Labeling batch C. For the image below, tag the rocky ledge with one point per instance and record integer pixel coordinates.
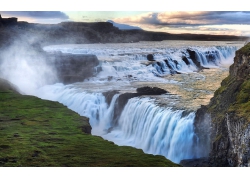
(72, 68)
(123, 98)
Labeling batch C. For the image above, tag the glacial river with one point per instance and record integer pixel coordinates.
(160, 124)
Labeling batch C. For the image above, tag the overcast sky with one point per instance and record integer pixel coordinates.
(172, 21)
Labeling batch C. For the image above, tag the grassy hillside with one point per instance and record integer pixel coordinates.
(36, 132)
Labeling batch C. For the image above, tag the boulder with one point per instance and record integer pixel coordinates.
(150, 57)
(73, 67)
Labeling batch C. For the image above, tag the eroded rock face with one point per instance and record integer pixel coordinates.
(229, 111)
(73, 67)
(123, 98)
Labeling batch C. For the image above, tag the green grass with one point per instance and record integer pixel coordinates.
(245, 49)
(43, 133)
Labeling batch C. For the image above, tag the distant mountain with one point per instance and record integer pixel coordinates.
(124, 26)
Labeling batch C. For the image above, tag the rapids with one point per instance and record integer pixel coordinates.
(160, 124)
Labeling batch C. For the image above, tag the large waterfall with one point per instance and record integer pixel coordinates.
(142, 123)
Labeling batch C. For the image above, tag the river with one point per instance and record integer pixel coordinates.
(161, 124)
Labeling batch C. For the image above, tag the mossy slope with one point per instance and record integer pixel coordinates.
(36, 132)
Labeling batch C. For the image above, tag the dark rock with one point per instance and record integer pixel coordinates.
(172, 71)
(123, 99)
(150, 57)
(8, 21)
(87, 129)
(224, 122)
(184, 58)
(200, 162)
(109, 95)
(150, 91)
(197, 63)
(73, 67)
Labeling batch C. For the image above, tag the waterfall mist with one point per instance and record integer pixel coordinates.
(23, 64)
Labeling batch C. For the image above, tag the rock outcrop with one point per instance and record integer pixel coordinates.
(73, 67)
(123, 98)
(7, 21)
(229, 113)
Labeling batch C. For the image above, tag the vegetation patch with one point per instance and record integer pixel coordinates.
(245, 49)
(242, 104)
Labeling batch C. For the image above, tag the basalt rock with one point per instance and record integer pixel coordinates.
(229, 132)
(197, 63)
(150, 91)
(73, 67)
(124, 98)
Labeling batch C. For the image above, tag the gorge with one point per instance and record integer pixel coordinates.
(154, 107)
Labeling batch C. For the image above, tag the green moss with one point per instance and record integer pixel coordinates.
(224, 84)
(245, 49)
(37, 132)
(242, 104)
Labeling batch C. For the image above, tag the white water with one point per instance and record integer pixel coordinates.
(155, 130)
(126, 61)
(143, 124)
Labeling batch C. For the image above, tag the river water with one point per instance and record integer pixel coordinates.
(162, 124)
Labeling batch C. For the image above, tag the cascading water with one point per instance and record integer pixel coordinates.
(121, 60)
(156, 130)
(142, 123)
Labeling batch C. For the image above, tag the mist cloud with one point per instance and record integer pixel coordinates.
(24, 67)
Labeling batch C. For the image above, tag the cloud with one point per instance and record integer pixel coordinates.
(189, 18)
(36, 14)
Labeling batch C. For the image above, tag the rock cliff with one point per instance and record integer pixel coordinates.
(226, 120)
(73, 67)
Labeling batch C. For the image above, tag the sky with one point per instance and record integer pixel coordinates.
(158, 15)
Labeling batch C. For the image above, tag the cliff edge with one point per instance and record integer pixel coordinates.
(224, 125)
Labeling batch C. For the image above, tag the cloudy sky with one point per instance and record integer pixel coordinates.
(163, 18)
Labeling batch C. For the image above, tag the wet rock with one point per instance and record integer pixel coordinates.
(150, 57)
(185, 60)
(109, 95)
(200, 162)
(150, 91)
(229, 132)
(193, 56)
(73, 67)
(123, 99)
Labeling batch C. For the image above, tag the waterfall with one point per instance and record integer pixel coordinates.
(156, 130)
(142, 123)
(128, 62)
